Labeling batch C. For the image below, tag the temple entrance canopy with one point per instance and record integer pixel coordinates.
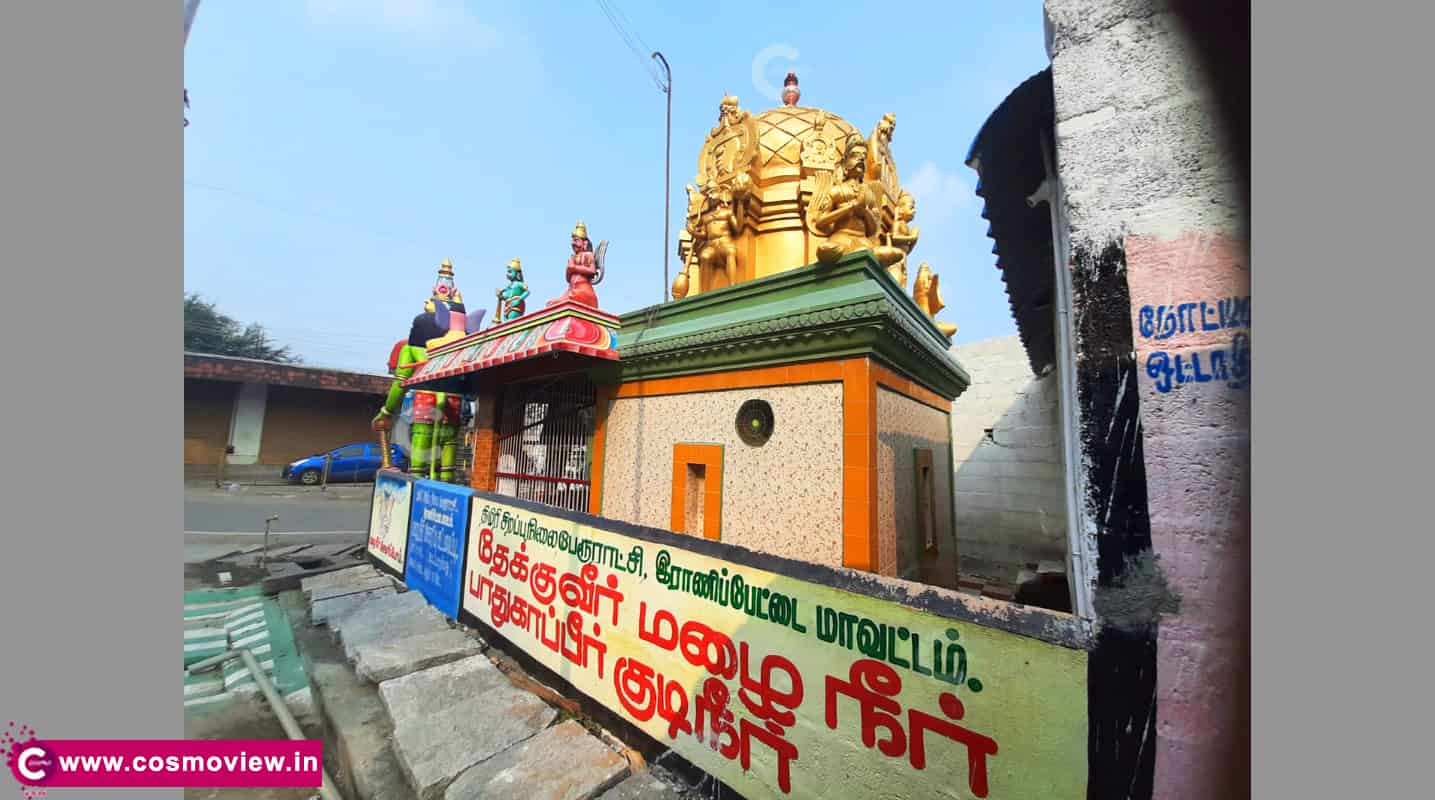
(535, 403)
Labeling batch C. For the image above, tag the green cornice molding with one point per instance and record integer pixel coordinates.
(850, 308)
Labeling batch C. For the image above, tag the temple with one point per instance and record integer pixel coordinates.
(727, 522)
(794, 397)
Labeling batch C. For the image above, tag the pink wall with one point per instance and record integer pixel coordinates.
(1144, 167)
(1195, 408)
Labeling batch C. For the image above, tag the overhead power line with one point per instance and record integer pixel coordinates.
(634, 42)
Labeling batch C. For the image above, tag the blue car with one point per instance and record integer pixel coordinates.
(348, 464)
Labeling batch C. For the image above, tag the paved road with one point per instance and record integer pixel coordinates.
(299, 510)
(218, 522)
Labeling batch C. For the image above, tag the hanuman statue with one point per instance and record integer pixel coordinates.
(718, 226)
(717, 211)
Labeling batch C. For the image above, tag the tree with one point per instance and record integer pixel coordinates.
(208, 331)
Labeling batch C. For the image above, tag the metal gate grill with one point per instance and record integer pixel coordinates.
(543, 434)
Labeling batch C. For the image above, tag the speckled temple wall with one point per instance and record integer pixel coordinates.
(903, 425)
(784, 497)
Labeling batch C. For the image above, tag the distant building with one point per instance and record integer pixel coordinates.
(271, 413)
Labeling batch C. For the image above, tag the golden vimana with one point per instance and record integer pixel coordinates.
(791, 186)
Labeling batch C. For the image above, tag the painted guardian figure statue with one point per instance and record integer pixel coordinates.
(433, 435)
(513, 298)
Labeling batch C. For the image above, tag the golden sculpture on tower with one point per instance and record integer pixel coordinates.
(880, 165)
(788, 187)
(927, 294)
(848, 212)
(902, 238)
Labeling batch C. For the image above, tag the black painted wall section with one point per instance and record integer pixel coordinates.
(1122, 668)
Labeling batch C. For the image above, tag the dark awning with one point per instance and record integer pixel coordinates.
(1007, 156)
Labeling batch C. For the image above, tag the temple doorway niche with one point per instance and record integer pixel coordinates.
(544, 432)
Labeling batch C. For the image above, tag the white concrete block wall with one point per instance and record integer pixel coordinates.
(1010, 501)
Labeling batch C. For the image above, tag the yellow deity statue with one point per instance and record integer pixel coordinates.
(901, 240)
(718, 225)
(880, 165)
(848, 214)
(927, 293)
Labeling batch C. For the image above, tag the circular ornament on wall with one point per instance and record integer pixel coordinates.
(754, 422)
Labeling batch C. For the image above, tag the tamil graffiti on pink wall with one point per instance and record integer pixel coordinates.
(1229, 363)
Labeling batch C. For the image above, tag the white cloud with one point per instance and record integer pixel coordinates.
(939, 194)
(450, 19)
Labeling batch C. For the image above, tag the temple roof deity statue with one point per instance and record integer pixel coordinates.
(764, 182)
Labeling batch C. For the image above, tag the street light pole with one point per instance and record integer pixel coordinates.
(667, 166)
(191, 7)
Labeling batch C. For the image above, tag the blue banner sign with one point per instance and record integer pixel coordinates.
(437, 536)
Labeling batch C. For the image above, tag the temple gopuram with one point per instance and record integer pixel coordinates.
(794, 396)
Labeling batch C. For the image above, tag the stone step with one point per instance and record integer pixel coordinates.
(364, 611)
(338, 577)
(387, 619)
(342, 589)
(563, 762)
(357, 728)
(322, 612)
(448, 718)
(385, 659)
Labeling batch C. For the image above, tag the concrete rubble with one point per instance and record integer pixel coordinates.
(417, 709)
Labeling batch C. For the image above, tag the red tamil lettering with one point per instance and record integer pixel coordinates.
(765, 701)
(633, 683)
(542, 582)
(978, 746)
(872, 684)
(499, 567)
(498, 606)
(786, 751)
(485, 545)
(655, 635)
(714, 716)
(676, 715)
(710, 649)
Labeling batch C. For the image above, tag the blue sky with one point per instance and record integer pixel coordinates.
(339, 150)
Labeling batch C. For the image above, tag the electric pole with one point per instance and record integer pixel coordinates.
(667, 166)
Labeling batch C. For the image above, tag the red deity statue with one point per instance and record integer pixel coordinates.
(585, 268)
